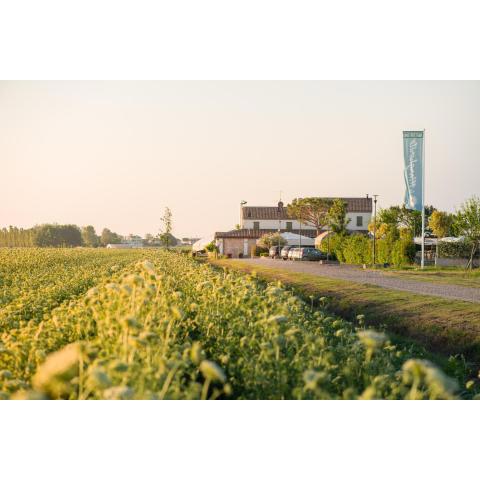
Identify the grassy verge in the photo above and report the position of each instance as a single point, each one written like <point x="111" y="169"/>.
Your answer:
<point x="448" y="276"/>
<point x="445" y="327"/>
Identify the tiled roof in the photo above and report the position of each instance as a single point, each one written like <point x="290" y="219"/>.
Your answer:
<point x="358" y="204"/>
<point x="251" y="233"/>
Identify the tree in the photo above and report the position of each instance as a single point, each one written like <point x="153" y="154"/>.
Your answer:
<point x="271" y="240"/>
<point x="149" y="239"/>
<point x="440" y="224"/>
<point x="211" y="247"/>
<point x="401" y="216"/>
<point x="57" y="236"/>
<point x="468" y="222"/>
<point x="89" y="237"/>
<point x="313" y="210"/>
<point x="337" y="217"/>
<point x="109" y="237"/>
<point x="166" y="230"/>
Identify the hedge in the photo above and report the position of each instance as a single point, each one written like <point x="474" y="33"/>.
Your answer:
<point x="357" y="249"/>
<point x="454" y="250"/>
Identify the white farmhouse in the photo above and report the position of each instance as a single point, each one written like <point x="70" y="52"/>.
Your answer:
<point x="256" y="221"/>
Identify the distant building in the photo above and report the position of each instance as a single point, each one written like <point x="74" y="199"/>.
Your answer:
<point x="131" y="241"/>
<point x="257" y="221"/>
<point x="188" y="241"/>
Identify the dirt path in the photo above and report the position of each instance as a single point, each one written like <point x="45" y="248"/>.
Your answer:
<point x="358" y="275"/>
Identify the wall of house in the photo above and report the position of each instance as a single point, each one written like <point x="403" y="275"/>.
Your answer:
<point x="236" y="246"/>
<point x="274" y="224"/>
<point x="352" y="225"/>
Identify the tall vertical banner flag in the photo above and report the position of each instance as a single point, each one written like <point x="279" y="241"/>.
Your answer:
<point x="413" y="169"/>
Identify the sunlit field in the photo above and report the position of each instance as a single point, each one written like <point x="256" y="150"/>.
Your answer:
<point x="154" y="324"/>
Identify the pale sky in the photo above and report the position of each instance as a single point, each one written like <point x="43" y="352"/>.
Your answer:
<point x="114" y="154"/>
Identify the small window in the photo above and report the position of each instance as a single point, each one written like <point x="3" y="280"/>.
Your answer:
<point x="289" y="226"/>
<point x="359" y="221"/>
<point x="256" y="225"/>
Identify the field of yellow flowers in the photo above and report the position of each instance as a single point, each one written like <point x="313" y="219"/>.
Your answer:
<point x="154" y="324"/>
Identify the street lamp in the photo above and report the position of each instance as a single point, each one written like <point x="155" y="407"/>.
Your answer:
<point x="374" y="228"/>
<point x="242" y="203"/>
<point x="279" y="211"/>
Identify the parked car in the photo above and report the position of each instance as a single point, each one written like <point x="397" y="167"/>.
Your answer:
<point x="308" y="254"/>
<point x="273" y="252"/>
<point x="292" y="252"/>
<point x="284" y="252"/>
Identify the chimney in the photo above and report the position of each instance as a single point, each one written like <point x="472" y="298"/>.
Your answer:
<point x="367" y="195"/>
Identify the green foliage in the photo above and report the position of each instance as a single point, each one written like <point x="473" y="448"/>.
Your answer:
<point x="166" y="236"/>
<point x="53" y="235"/>
<point x="400" y="216"/>
<point x="89" y="237"/>
<point x="109" y="237"/>
<point x="337" y="217"/>
<point x="403" y="253"/>
<point x="312" y="210"/>
<point x="454" y="249"/>
<point x="468" y="222"/>
<point x="16" y="237"/>
<point x="440" y="223"/>
<point x="333" y="245"/>
<point x="257" y="251"/>
<point x="211" y="247"/>
<point x="271" y="240"/>
<point x="358" y="249"/>
<point x="163" y="326"/>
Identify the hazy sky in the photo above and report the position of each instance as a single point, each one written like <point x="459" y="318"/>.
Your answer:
<point x="114" y="154"/>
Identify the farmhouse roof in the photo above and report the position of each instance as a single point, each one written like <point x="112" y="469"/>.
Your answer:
<point x="251" y="233"/>
<point x="354" y="205"/>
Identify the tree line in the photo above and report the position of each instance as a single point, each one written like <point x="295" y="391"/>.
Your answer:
<point x="55" y="235"/>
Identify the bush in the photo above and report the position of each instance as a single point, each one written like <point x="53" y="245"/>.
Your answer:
<point x="264" y="254"/>
<point x="257" y="251"/>
<point x="454" y="250"/>
<point x="403" y="253"/>
<point x="358" y="249"/>
<point x="334" y="246"/>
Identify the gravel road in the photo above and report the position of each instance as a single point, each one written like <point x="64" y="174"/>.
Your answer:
<point x="358" y="275"/>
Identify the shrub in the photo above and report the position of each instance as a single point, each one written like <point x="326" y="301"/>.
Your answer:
<point x="403" y="253"/>
<point x="211" y="247"/>
<point x="257" y="251"/>
<point x="271" y="239"/>
<point x="454" y="250"/>
<point x="356" y="249"/>
<point x="334" y="243"/>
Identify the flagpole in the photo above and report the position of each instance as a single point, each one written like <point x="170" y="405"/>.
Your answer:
<point x="423" y="201"/>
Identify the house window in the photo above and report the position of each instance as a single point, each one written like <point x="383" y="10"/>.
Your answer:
<point x="289" y="226"/>
<point x="256" y="225"/>
<point x="359" y="221"/>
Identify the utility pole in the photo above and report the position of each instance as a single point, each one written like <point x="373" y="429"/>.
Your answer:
<point x="374" y="229"/>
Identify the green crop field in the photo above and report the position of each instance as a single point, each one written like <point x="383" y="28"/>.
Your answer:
<point x="153" y="324"/>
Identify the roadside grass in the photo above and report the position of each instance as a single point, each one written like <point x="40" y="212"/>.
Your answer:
<point x="445" y="275"/>
<point x="441" y="326"/>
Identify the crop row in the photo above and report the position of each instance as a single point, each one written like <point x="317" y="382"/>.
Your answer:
<point x="170" y="328"/>
<point x="33" y="281"/>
